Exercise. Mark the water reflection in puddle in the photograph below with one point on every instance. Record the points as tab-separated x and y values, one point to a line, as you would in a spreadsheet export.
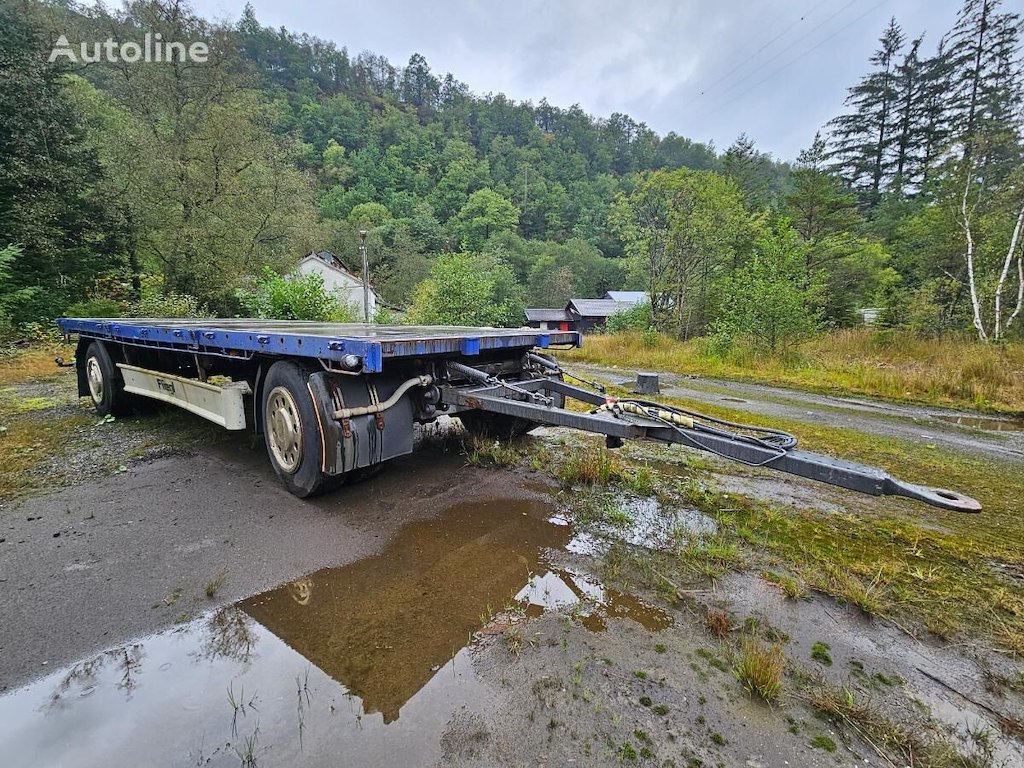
592	602
647	524
984	423
350	665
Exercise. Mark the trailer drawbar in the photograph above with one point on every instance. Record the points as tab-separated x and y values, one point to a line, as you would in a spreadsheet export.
334	400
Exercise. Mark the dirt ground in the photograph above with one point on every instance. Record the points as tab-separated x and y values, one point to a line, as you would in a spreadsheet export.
166	602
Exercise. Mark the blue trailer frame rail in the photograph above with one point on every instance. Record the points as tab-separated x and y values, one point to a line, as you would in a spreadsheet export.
373	344
334	400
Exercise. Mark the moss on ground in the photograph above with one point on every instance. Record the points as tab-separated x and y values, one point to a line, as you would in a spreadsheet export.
915	565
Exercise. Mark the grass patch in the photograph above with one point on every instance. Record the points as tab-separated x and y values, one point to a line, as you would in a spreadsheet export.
890	365
11	402
512	638
710	555
25	443
821	741
896	743
33	364
759	667
713	660
789	586
596	465
214	584
485	452
591	465
820	653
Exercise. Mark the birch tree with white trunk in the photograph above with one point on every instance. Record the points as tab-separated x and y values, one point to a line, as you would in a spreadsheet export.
972	199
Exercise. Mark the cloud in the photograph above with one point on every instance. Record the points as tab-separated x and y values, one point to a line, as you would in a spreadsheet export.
677	66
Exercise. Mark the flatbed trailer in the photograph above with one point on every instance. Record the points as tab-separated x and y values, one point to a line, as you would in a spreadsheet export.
334	400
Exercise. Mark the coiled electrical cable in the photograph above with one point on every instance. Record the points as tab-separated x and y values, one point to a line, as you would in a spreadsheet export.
686	423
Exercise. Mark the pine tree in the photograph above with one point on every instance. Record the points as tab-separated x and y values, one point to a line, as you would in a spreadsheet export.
862	140
935	129
908	119
750	169
986	86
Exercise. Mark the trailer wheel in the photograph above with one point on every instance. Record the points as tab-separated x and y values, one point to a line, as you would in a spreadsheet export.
106	385
291	431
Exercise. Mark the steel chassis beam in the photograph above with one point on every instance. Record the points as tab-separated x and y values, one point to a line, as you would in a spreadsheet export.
825	469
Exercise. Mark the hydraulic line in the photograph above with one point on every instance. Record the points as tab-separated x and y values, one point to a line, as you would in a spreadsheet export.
378	407
553	365
485	378
688	424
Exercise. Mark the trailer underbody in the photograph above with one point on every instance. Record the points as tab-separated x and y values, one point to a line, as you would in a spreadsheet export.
334	401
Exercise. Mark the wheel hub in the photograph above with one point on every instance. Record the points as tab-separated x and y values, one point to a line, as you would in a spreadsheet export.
94	376
284	427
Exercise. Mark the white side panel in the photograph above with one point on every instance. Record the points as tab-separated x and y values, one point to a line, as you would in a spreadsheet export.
221	405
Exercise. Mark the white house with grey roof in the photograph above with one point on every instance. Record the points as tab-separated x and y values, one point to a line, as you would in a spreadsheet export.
338	280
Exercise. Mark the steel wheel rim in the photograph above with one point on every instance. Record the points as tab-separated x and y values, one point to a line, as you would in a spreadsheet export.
285	429
94	375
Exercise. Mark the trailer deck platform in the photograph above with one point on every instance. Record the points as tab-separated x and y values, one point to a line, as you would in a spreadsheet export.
325	341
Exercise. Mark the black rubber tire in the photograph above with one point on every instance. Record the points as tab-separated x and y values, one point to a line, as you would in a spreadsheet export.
115	401
307	479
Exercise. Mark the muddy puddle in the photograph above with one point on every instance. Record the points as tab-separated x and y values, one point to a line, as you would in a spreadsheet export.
985	424
349	665
643	522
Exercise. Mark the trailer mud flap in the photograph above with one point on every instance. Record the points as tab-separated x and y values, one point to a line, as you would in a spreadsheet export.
360	441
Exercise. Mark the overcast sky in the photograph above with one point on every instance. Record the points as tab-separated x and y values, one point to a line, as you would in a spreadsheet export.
709	70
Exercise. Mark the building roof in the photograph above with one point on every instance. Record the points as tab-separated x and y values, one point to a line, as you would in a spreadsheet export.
547	315
330	260
598	307
633	297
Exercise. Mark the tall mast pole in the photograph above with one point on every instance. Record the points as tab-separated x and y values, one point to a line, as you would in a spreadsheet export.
366	276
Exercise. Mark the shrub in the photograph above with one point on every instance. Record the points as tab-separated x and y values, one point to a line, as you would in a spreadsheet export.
303	297
637	318
769	299
98	307
384	316
166	305
468	289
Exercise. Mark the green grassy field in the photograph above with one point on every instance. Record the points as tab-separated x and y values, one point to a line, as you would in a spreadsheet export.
893	366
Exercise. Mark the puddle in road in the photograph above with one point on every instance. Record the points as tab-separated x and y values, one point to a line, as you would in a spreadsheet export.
592	602
984	423
353	664
646	523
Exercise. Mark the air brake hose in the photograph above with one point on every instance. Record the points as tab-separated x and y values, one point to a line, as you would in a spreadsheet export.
378	407
627	406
